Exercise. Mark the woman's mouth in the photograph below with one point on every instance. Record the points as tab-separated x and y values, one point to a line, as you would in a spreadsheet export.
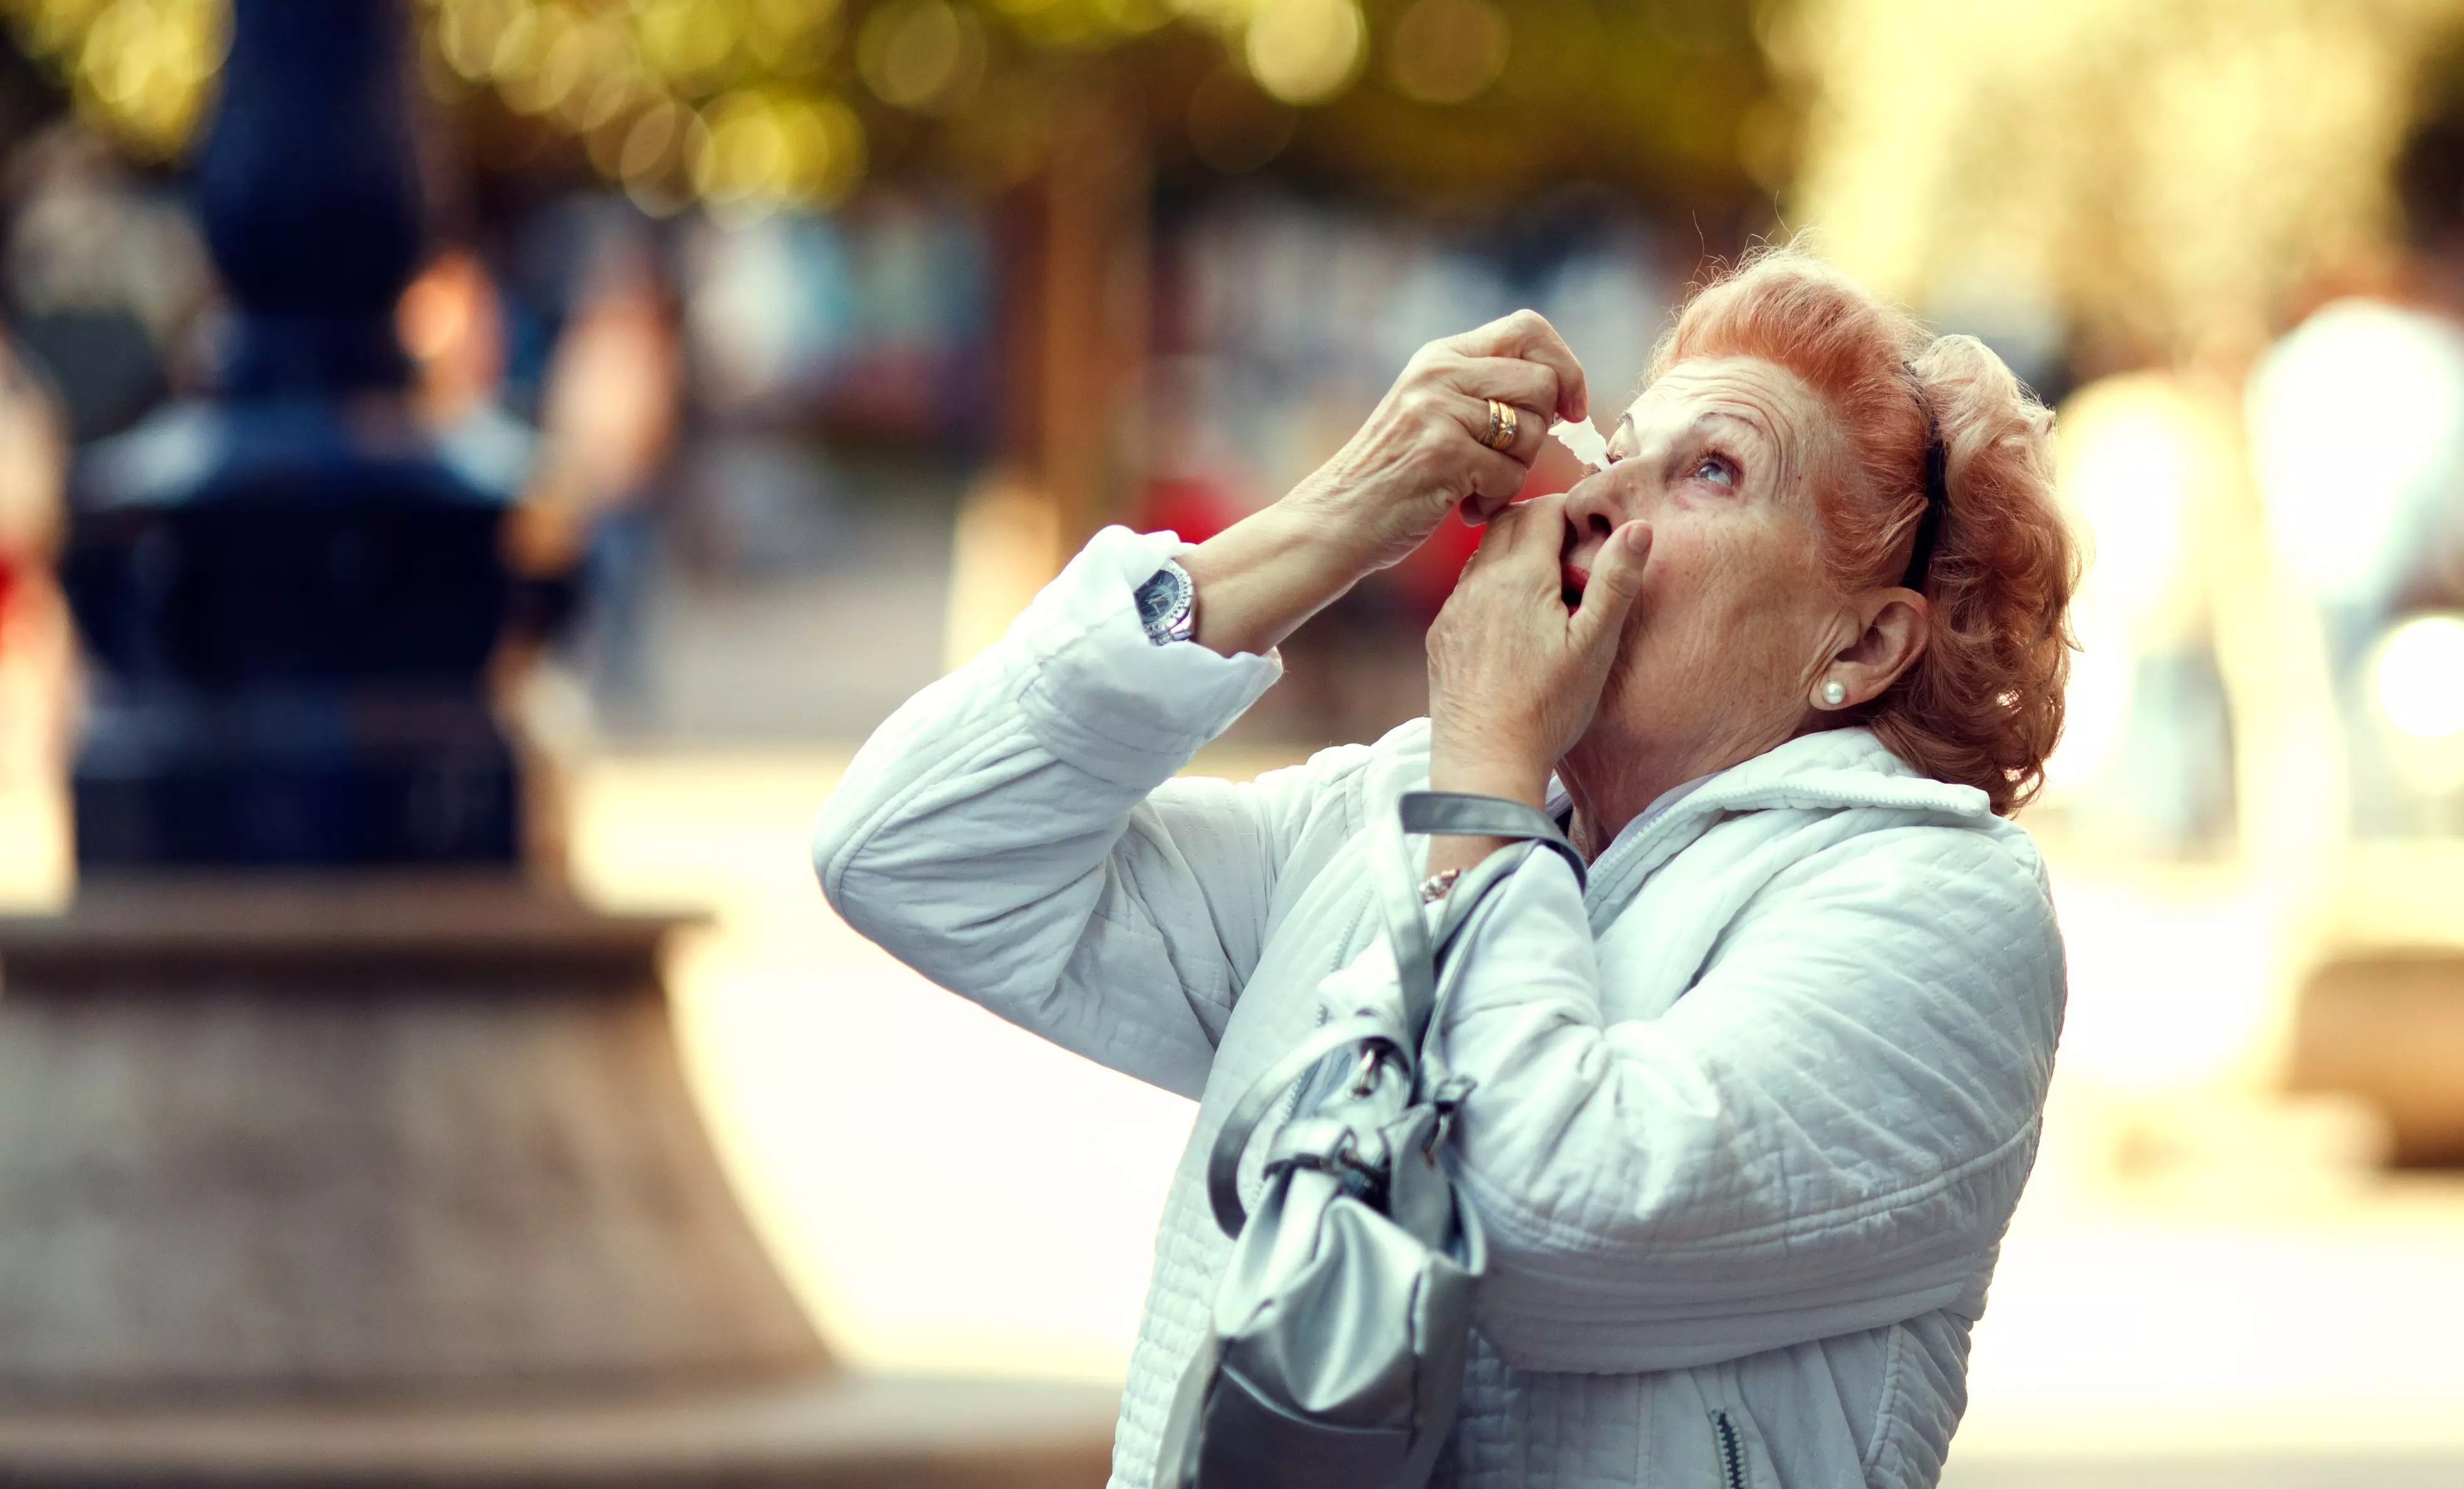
1571	580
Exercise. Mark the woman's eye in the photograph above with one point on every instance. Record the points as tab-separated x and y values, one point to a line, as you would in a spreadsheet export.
1716	467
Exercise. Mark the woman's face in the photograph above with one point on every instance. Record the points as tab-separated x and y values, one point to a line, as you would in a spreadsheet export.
1736	617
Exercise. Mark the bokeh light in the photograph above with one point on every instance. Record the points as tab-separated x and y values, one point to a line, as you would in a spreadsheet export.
937	285
1448	50
2418	678
921	53
2171	167
142	68
1660	102
1306	51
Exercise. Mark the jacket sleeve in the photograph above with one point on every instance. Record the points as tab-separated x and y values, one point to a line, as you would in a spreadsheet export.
1827	1133
1013	832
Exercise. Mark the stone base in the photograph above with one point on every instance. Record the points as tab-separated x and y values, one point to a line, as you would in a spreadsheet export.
839	1433
394	1181
275	1136
2387	1026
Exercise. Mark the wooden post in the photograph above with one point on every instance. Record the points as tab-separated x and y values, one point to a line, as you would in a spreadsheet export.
1075	251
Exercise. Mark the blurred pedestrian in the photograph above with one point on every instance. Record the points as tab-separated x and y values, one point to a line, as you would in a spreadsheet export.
609	412
37	642
453	322
2357	440
587	475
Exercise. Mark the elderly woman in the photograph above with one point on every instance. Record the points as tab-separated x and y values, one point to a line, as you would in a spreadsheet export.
1752	1107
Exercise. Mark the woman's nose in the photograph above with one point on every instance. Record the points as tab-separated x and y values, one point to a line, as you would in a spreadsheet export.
1591	513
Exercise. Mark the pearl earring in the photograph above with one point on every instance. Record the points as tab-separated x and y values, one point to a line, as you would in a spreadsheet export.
1834	693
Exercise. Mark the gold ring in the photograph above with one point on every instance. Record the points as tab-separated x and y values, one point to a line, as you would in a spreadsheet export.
1502	423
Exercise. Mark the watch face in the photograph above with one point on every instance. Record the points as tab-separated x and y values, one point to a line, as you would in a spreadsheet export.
1154	599
1158	598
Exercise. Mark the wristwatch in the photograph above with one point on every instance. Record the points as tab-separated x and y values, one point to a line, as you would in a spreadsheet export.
1167	605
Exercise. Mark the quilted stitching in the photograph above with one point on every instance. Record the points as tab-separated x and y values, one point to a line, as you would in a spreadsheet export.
1774	1079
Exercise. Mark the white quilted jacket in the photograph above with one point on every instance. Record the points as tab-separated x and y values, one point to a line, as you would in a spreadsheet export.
1752	1110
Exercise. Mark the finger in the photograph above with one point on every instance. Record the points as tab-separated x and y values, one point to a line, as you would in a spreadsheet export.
1523	539
1529	335
1479	510
1501	517
1494	476
1530	428
1617	578
1529	386
1537	521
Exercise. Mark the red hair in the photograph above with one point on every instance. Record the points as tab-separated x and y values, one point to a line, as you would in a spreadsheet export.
1983	706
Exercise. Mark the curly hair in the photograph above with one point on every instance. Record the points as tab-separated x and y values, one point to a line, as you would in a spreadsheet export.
1983	706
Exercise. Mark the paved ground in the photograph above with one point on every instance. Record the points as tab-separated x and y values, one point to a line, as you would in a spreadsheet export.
2274	1323
2200	1289
2361	1470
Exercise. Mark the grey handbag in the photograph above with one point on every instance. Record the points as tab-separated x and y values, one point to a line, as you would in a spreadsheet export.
1337	1354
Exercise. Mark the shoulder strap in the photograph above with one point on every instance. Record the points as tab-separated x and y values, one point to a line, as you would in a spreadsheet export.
1463	814
1446	814
1407	928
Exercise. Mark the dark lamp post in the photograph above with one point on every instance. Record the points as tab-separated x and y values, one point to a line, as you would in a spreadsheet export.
288	600
334	1147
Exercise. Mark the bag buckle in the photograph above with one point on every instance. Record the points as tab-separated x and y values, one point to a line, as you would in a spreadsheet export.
1305	1145
1448	1096
1364	1075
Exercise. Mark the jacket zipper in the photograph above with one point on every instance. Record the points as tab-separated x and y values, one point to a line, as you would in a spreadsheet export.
1732	1452
1291	1103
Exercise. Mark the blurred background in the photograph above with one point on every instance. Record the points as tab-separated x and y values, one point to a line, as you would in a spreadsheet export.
803	339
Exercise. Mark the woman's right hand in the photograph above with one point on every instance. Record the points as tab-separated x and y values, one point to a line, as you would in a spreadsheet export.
1420	454
1418	457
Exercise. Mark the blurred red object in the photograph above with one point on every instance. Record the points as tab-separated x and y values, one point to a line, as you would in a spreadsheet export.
1198	508
1425	579
1428	576
1190	505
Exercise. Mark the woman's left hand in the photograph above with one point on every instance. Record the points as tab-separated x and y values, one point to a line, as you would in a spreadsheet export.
1514	677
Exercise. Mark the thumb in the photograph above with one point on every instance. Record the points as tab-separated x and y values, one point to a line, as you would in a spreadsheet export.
1617	578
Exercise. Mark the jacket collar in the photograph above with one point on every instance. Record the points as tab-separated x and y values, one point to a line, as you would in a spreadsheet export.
1835	769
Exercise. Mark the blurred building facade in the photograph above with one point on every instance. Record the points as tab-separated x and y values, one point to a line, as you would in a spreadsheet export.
922	259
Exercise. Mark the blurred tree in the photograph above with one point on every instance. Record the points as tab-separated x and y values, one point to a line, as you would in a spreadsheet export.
2171	174
1066	114
745	104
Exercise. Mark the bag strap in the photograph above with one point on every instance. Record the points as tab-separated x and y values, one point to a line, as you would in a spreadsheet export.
1463	814
1446	814
1407	927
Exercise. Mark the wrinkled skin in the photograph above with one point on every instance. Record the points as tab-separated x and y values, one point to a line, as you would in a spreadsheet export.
1668	617
1701	541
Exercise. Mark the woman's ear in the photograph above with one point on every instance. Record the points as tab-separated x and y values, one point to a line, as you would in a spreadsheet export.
1891	637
